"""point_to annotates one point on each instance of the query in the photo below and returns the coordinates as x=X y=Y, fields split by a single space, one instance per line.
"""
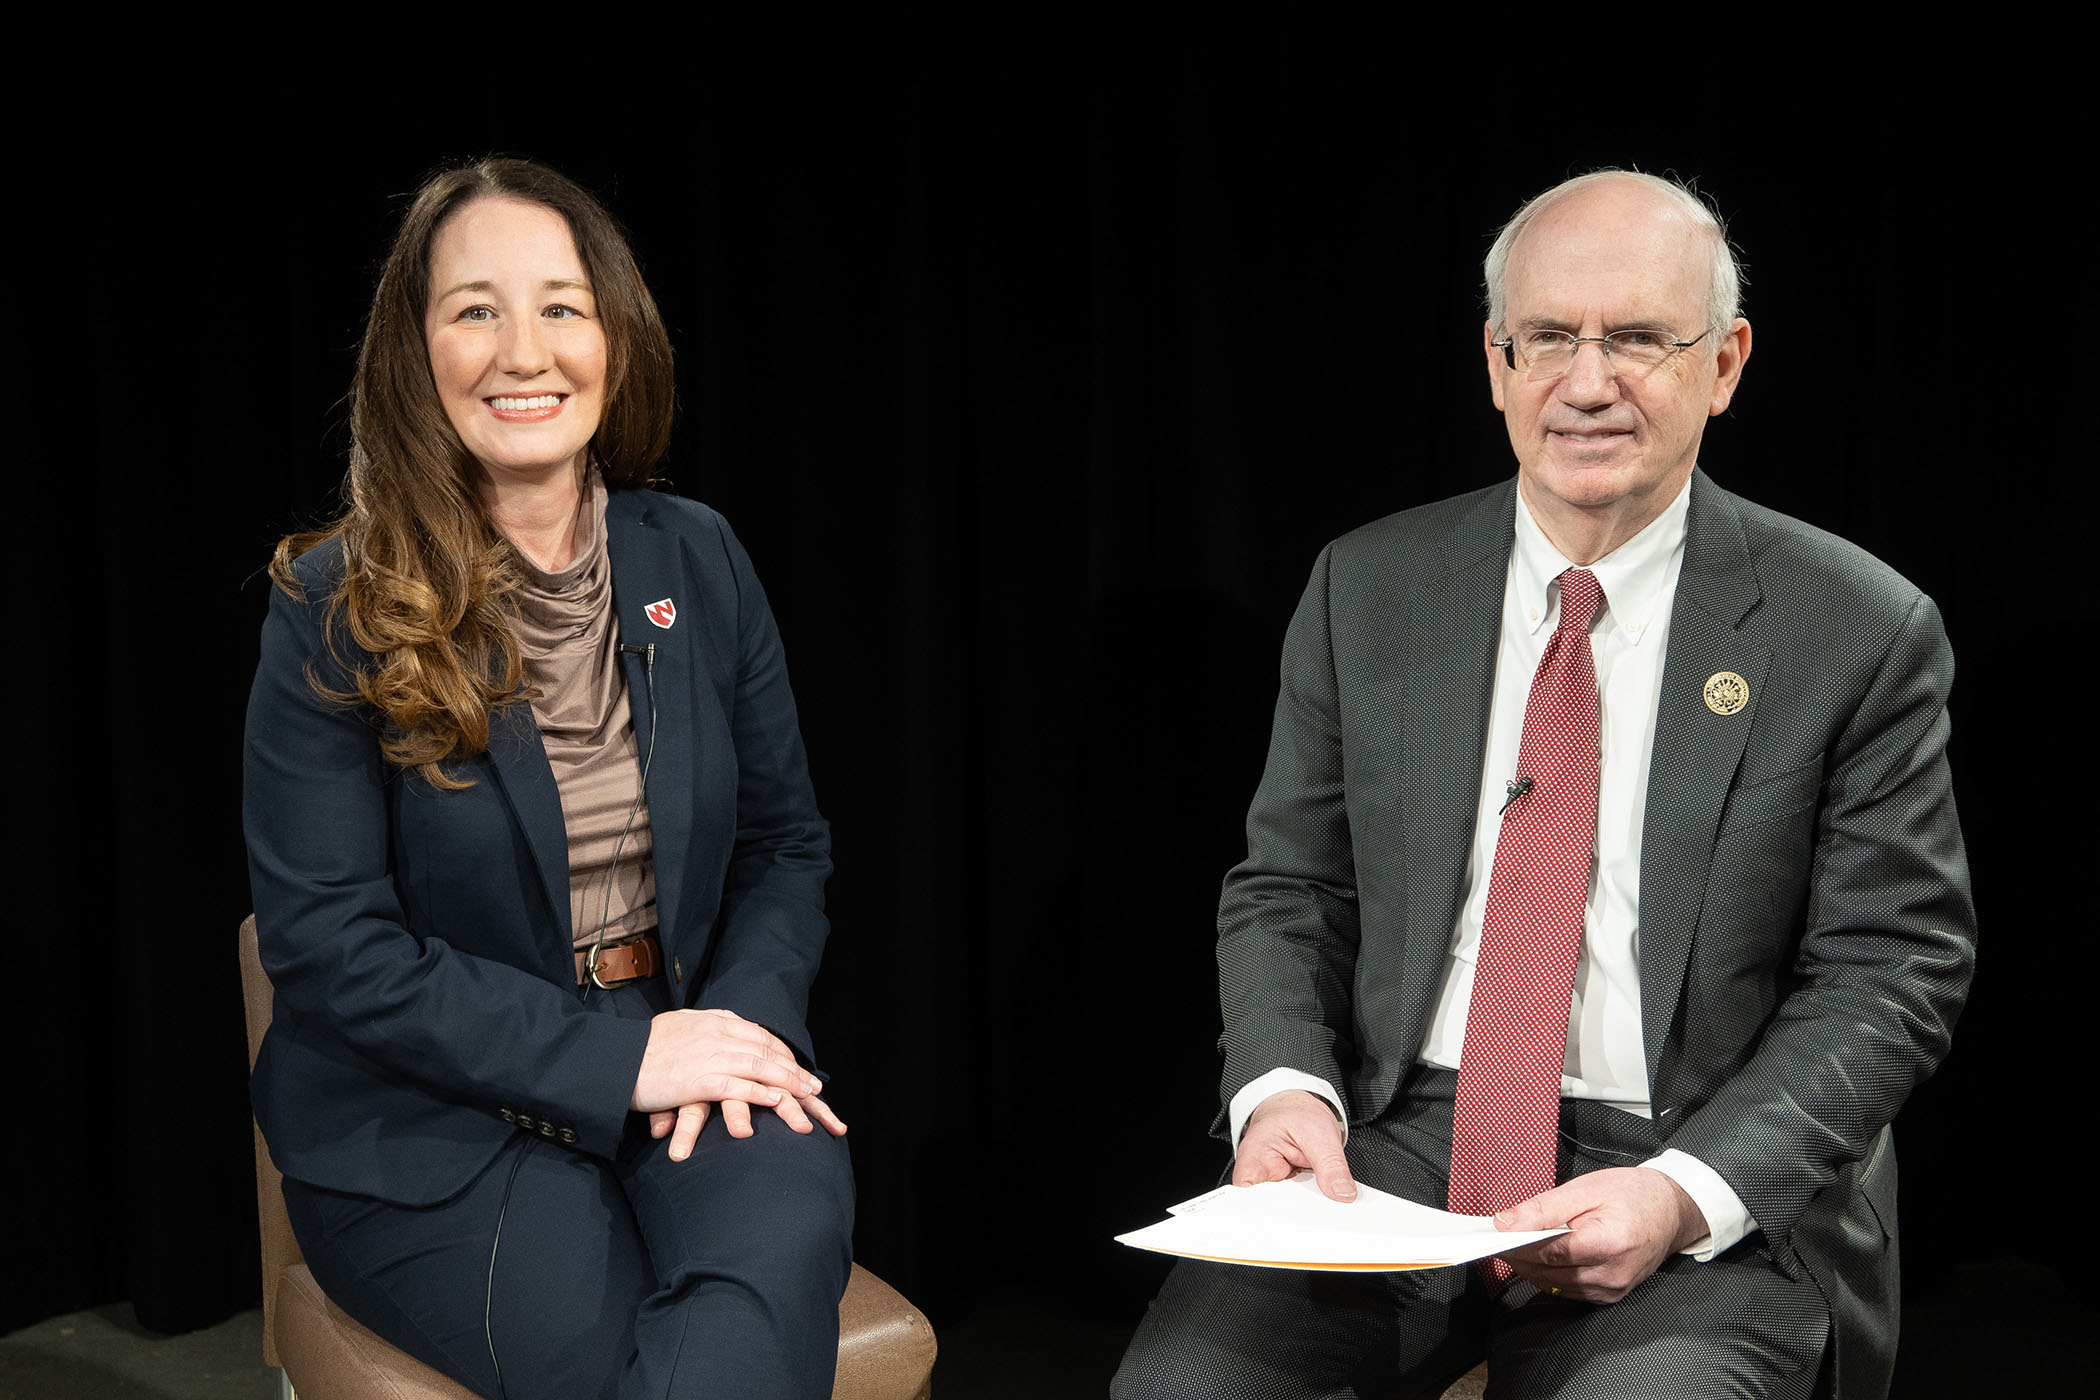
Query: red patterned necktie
x=1507 y=1111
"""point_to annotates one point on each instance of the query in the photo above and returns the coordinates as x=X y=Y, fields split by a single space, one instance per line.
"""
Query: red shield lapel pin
x=663 y=613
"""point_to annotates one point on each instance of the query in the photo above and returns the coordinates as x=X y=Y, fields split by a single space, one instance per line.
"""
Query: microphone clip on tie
x=1513 y=790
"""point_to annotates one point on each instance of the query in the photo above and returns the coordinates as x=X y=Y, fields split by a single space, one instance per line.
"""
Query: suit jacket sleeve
x=1886 y=938
x=772 y=929
x=1288 y=920
x=471 y=1029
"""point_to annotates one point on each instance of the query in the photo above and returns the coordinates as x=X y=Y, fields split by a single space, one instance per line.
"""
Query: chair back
x=280 y=1249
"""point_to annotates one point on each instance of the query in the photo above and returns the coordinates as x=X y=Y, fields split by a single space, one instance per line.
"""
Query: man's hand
x=1624 y=1222
x=1290 y=1130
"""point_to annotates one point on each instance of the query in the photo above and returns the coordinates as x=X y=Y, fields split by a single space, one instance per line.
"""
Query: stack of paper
x=1290 y=1225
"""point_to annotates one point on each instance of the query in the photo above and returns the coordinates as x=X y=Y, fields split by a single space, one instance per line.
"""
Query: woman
x=536 y=864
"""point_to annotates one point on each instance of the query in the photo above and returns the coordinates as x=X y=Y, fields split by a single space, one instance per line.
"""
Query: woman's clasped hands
x=698 y=1058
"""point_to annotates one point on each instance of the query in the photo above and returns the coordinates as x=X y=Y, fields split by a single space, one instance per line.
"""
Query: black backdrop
x=1033 y=396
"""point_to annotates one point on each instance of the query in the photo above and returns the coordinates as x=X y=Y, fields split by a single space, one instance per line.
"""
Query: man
x=1611 y=775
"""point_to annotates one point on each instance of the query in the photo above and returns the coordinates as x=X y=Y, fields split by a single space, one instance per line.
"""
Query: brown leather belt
x=620 y=963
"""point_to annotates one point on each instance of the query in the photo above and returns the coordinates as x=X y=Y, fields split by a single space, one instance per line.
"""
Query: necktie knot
x=1581 y=598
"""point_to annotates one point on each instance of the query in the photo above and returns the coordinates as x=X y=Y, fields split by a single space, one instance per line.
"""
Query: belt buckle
x=591 y=967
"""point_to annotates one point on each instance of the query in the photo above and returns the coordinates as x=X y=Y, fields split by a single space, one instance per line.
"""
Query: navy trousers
x=557 y=1274
x=1735 y=1326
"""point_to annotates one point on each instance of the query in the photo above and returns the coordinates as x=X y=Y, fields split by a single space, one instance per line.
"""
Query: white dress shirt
x=1606 y=1058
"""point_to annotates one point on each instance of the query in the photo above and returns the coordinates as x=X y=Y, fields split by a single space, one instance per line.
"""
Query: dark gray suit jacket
x=1806 y=929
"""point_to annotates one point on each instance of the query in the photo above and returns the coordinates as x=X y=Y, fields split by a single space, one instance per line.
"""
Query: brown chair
x=886 y=1347
x=1471 y=1386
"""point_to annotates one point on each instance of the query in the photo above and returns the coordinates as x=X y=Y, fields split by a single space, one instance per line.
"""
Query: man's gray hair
x=1723 y=294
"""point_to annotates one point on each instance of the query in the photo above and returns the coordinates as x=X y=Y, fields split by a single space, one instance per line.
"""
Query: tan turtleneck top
x=571 y=642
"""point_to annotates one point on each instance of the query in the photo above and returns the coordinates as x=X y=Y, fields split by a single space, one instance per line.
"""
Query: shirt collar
x=1632 y=576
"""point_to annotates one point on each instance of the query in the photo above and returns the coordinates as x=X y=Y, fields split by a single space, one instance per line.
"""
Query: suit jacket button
x=677 y=969
x=546 y=1130
x=508 y=1116
x=525 y=1122
x=568 y=1135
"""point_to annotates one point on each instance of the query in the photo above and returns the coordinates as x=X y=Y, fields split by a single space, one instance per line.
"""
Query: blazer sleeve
x=1885 y=952
x=467 y=1029
x=771 y=929
x=1288 y=924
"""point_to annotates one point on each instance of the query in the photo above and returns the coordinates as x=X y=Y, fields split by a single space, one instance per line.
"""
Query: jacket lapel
x=1451 y=649
x=1696 y=752
x=518 y=759
x=648 y=574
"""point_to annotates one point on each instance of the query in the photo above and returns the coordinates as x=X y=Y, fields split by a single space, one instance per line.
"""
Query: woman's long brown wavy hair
x=426 y=575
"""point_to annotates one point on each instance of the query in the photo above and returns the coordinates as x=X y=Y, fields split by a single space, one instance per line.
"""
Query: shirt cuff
x=1276 y=1081
x=1727 y=1218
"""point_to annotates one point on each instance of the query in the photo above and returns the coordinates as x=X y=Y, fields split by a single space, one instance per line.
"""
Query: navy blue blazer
x=420 y=939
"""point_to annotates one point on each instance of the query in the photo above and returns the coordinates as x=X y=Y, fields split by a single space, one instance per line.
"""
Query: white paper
x=1290 y=1225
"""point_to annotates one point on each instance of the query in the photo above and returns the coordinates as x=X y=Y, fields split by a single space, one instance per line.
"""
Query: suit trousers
x=1734 y=1326
x=559 y=1274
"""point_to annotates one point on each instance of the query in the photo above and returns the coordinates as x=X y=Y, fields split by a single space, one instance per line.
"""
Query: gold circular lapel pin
x=1726 y=692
